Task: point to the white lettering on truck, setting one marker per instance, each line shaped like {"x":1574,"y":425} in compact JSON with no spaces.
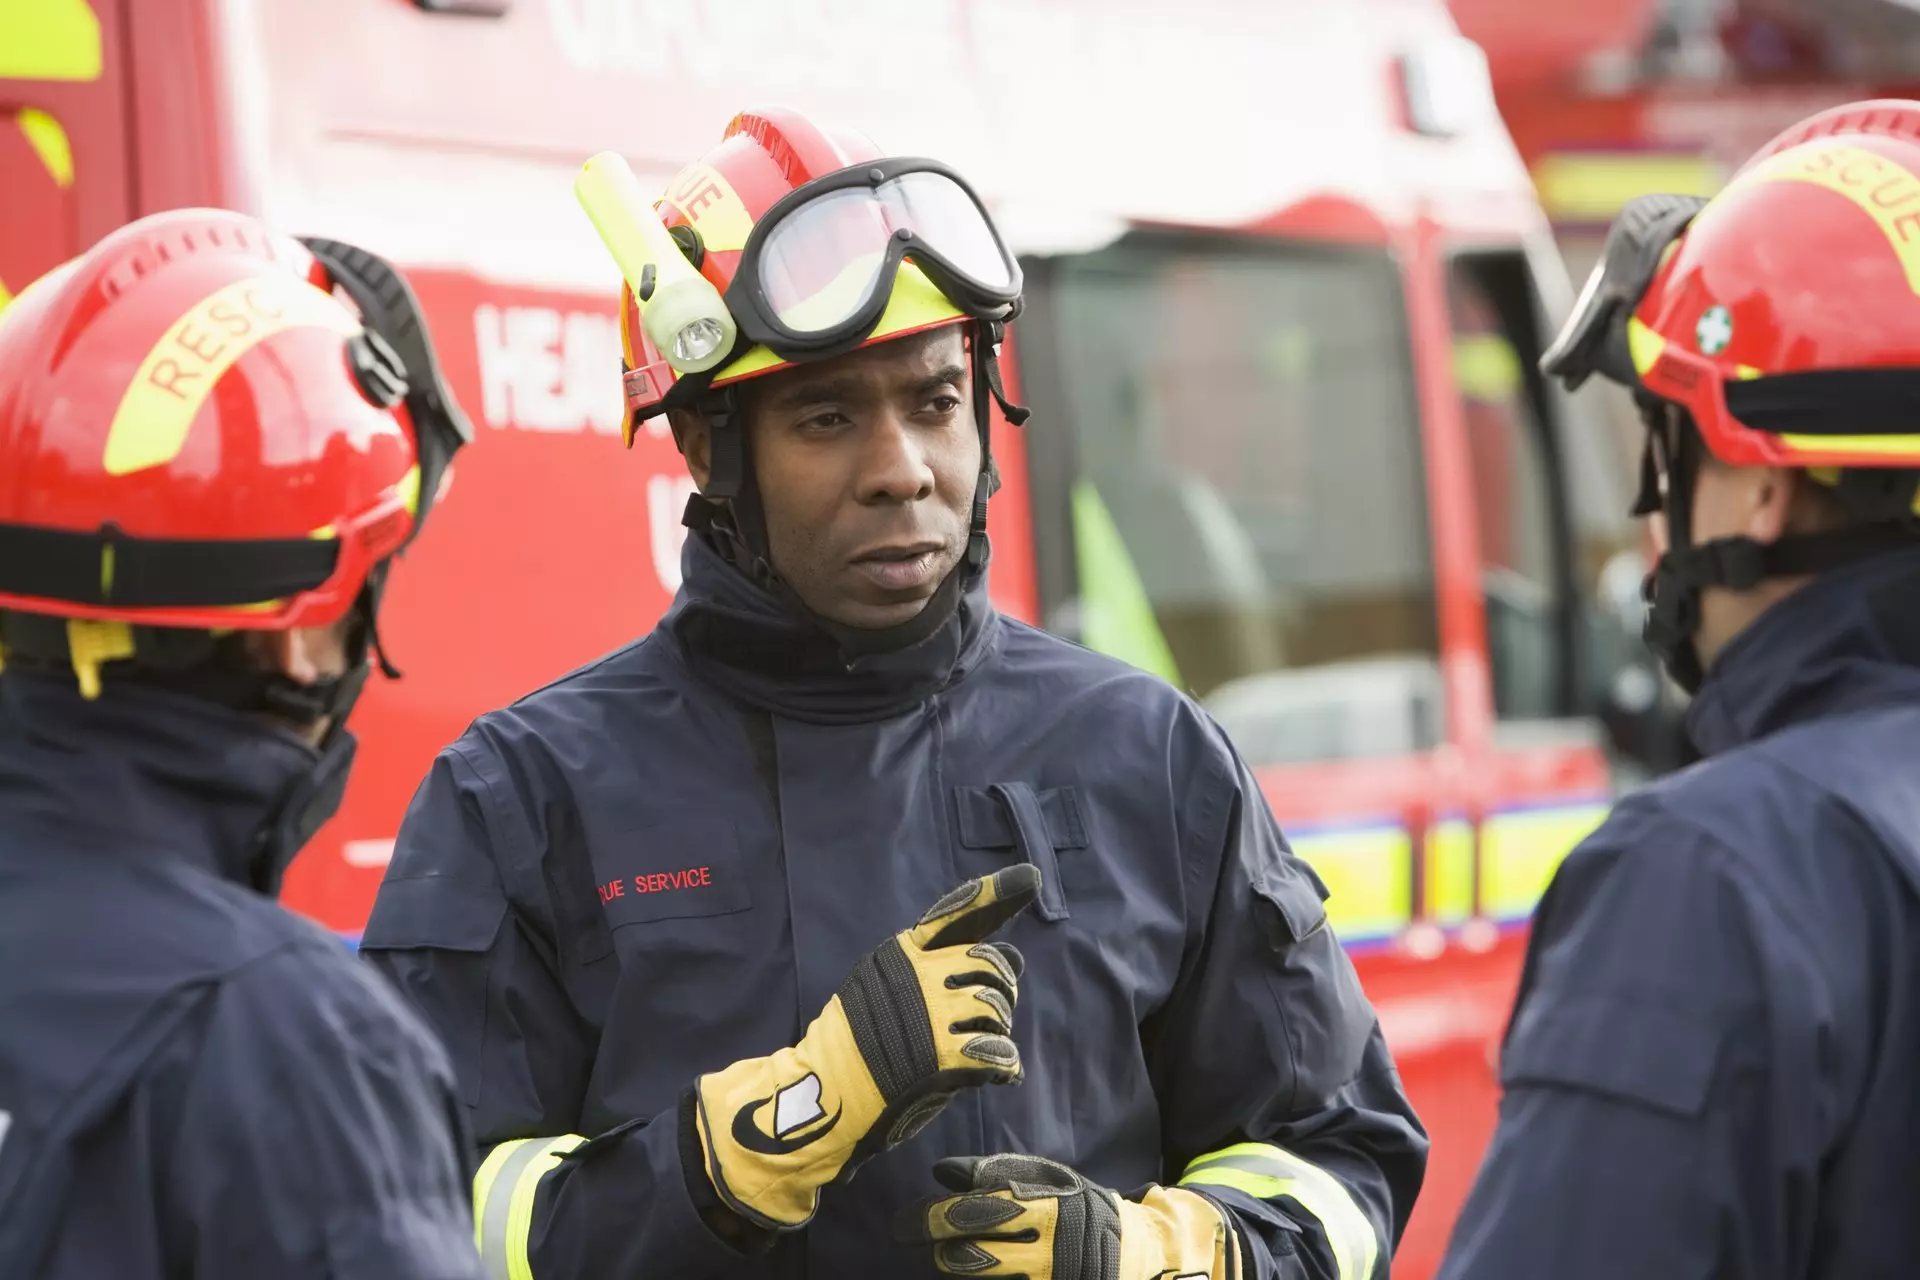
{"x":790,"y":44}
{"x":545,"y":370}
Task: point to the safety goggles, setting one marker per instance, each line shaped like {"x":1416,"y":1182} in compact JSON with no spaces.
{"x":817,"y":272}
{"x":1595,"y":338}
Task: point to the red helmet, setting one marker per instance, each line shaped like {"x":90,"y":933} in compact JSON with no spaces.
{"x":1782,"y":320}
{"x":1787,"y":320}
{"x":1784,"y":314}
{"x":767,"y":156}
{"x":195,"y":432}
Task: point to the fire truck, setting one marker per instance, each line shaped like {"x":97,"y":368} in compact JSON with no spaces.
{"x":1287,"y":285}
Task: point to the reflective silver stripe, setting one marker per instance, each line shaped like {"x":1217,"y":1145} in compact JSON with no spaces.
{"x":1264,"y":1170}
{"x":493,"y":1214}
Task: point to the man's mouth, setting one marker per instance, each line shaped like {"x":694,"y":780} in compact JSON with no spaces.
{"x":907,"y":567}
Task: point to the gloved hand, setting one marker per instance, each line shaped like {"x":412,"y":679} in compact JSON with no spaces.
{"x":928,"y":1012}
{"x":1031,"y":1218}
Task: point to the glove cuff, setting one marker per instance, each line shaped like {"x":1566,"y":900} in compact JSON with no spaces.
{"x":1173,"y":1230}
{"x":727,"y":1226}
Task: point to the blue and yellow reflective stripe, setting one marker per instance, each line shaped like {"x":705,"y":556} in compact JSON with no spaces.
{"x":1368,"y":867}
{"x":1368,"y":872}
{"x":1520,"y":849}
{"x":503,"y":1197}
{"x":1450,"y":850}
{"x":1268,"y":1172}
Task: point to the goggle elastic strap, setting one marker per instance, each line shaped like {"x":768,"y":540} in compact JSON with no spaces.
{"x":1594,"y":339}
{"x":987,"y":335}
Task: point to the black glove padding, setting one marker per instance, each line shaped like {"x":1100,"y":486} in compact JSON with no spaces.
{"x":1029,"y":1218}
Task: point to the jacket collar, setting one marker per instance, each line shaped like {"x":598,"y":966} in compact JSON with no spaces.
{"x":1847,"y":641}
{"x":166,"y":774}
{"x":739,"y":638}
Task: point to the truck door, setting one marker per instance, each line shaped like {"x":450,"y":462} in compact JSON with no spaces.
{"x":1551,"y":505}
{"x":63,"y":162}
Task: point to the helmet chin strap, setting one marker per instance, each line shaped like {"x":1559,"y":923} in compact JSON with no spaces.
{"x":731,"y":512}
{"x":1673,"y":589}
{"x":311,"y":798}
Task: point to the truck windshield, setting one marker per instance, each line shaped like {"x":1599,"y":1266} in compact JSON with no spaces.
{"x":1236,"y":429}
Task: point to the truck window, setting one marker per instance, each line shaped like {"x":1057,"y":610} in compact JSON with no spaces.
{"x":1549,"y":498}
{"x":1237,"y":432}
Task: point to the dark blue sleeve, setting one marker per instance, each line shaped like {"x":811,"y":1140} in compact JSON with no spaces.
{"x":1278,"y":1097}
{"x":318,"y":1133}
{"x":480,"y":968}
{"x":1662,"y":1073}
{"x":460,"y":927}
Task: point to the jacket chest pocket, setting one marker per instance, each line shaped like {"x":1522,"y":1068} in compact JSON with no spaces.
{"x":1032,"y":825}
{"x":633,"y":880}
{"x":665,"y":872}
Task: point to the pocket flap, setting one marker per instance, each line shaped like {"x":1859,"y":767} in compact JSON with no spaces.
{"x":434,"y":911}
{"x":1615,"y":1046}
{"x":1297,"y":895}
{"x":985,"y":824}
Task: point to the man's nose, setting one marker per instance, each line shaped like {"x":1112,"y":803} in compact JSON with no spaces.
{"x":894,"y":466}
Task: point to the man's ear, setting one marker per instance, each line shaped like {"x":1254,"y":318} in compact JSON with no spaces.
{"x":695,"y":442}
{"x":1770,"y":497}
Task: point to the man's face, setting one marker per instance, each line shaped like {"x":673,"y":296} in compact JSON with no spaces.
{"x":866,"y":466}
{"x":1739,"y":502}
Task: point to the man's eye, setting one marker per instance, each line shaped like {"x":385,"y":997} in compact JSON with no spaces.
{"x":824,"y":422}
{"x":944,"y":404}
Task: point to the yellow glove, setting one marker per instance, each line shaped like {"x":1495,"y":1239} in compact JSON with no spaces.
{"x":928,"y":1012}
{"x":1023,"y":1216}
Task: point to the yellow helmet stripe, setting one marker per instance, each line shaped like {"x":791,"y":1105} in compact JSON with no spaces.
{"x":1888,"y":193}
{"x":150,"y":427}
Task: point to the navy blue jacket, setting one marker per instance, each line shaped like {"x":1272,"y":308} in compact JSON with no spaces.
{"x":195,"y":1083}
{"x":1714,"y":1064}
{"x":669,"y":860}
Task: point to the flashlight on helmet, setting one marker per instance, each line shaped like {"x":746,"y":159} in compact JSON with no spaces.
{"x":681,"y":311}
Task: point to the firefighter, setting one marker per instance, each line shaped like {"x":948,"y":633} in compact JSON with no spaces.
{"x":688,"y":917}
{"x":1709,"y":1070}
{"x":207,"y":461}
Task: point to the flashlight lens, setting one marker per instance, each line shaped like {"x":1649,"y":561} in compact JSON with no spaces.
{"x":698,"y":340}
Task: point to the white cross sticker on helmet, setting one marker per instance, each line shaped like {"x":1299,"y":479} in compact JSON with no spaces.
{"x":1714,"y":331}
